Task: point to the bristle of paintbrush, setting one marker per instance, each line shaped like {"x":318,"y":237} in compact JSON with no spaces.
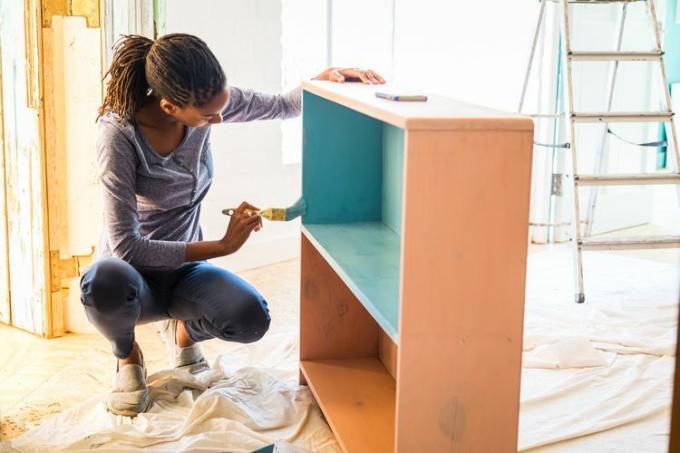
{"x":298,"y":209}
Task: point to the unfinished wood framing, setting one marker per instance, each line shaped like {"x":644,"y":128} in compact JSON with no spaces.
{"x":89,"y":9}
{"x":70,"y":160}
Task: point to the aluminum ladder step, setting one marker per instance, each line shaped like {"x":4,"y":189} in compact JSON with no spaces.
{"x":631,"y":243}
{"x":615,"y":56}
{"x":595,"y":2}
{"x":621,"y":117}
{"x":628,"y":180}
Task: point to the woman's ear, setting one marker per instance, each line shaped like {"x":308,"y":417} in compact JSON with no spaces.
{"x":168,"y":107}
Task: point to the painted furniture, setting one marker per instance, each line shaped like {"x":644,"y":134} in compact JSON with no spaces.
{"x":414,"y":252}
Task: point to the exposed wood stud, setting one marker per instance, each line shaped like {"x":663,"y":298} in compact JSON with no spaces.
{"x":53,"y":8}
{"x":89,"y":9}
{"x":64,"y":269}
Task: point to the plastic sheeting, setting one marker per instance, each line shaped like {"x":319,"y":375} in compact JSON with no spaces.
{"x":596,"y":378}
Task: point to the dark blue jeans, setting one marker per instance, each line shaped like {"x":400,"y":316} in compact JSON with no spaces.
{"x":212,"y":302}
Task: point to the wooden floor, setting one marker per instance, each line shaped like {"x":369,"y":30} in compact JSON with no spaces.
{"x":41,"y":377}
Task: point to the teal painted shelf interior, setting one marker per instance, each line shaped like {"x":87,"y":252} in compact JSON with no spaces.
{"x":352,"y":181}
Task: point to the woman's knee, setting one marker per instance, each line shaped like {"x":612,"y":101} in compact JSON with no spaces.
{"x":108,"y":284}
{"x":247,"y":321}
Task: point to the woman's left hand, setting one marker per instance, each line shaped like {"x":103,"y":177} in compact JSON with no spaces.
{"x":341,"y":75}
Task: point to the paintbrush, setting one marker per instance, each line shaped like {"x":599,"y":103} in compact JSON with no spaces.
{"x":298,"y":209}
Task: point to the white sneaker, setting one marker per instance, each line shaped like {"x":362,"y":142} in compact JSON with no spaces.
{"x":129,"y":396}
{"x":190,"y":359}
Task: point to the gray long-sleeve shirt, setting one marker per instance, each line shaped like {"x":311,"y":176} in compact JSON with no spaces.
{"x":152,"y":203}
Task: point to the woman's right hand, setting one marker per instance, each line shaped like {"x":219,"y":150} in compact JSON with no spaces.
{"x":241,"y":224}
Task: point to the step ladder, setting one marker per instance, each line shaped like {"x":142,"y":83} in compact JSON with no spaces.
{"x":582,"y":240}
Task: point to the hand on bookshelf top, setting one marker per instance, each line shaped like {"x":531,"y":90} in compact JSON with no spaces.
{"x":341,"y":75}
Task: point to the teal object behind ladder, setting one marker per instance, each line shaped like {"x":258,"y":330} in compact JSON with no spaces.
{"x":671,"y":44}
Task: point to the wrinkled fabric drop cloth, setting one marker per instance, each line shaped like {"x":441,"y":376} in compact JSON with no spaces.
{"x":596,"y":378}
{"x":568,"y":353}
{"x":232,"y":408}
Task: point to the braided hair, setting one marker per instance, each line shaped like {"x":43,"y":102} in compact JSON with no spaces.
{"x":177,"y":67}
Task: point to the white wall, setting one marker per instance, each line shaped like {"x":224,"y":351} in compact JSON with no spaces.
{"x":245,"y":35}
{"x":304,"y":43}
{"x":474,"y":51}
{"x":363,"y":39}
{"x":478,"y":52}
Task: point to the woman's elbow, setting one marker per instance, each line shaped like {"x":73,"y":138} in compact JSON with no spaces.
{"x":127,"y":250}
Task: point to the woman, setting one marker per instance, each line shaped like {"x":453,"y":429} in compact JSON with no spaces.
{"x":153,"y":151}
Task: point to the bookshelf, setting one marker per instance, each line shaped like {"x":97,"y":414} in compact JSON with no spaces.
{"x":413,"y":264}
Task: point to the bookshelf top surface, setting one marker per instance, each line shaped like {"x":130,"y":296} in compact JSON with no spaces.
{"x":436,"y":113}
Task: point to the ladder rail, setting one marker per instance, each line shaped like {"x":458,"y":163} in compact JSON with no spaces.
{"x":576,"y":229}
{"x":532,"y":53}
{"x":600,"y":157}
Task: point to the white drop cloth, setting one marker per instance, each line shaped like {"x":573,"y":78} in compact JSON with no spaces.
{"x":596,"y":378}
{"x":235,"y":408}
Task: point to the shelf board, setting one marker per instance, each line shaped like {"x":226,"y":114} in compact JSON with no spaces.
{"x":366,"y":257}
{"x":357,"y":396}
